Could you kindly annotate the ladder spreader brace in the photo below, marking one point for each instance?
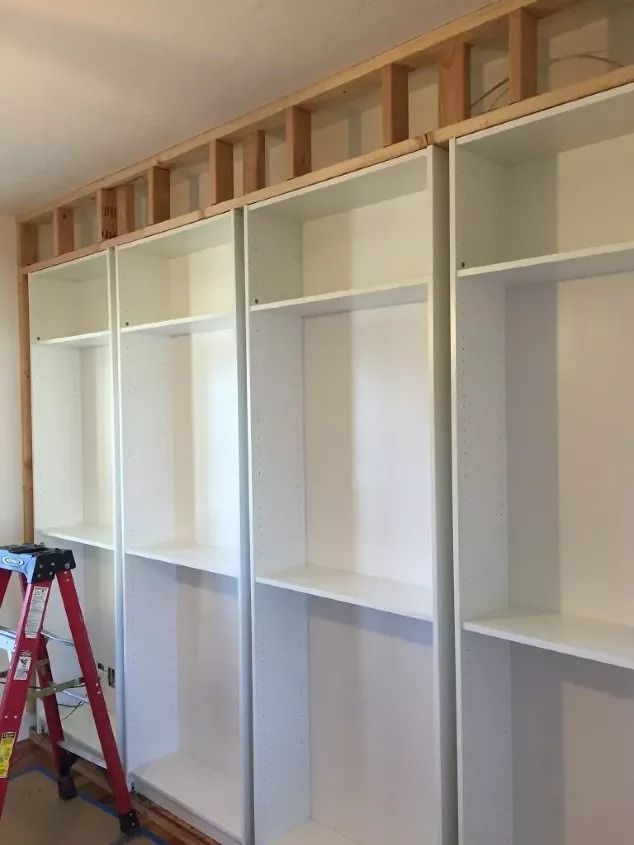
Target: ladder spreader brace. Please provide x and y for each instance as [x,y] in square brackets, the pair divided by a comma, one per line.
[38,567]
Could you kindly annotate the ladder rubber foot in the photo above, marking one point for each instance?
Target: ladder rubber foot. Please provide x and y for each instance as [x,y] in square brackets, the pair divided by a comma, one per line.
[66,788]
[129,822]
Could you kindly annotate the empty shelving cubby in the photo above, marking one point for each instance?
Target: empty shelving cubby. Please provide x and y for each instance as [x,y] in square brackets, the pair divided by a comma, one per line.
[72,381]
[543,419]
[348,374]
[181,323]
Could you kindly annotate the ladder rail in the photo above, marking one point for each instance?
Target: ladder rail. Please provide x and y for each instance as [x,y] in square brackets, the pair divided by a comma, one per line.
[94,691]
[63,763]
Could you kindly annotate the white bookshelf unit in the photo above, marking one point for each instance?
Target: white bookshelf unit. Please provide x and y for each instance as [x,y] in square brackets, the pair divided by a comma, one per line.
[543,301]
[73,462]
[183,457]
[350,516]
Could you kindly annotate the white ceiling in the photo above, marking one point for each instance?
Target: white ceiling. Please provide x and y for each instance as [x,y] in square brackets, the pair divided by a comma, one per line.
[88,87]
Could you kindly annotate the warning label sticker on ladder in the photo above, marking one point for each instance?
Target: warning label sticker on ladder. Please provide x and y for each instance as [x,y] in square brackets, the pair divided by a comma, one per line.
[7,741]
[36,612]
[23,669]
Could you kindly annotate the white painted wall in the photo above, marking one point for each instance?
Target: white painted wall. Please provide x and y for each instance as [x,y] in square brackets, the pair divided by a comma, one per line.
[10,441]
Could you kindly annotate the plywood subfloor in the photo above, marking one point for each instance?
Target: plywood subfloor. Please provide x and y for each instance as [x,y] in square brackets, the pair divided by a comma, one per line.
[91,782]
[34,815]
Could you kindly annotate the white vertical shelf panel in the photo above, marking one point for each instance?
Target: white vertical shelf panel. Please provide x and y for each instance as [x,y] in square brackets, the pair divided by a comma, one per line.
[439,355]
[277,507]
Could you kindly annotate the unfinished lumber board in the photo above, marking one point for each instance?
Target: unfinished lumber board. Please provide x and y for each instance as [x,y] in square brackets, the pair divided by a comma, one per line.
[220,171]
[394,104]
[106,214]
[63,230]
[298,142]
[27,248]
[454,84]
[253,161]
[158,203]
[125,209]
[522,55]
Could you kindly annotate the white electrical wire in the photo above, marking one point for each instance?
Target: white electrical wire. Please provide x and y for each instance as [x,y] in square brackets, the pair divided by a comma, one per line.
[505,82]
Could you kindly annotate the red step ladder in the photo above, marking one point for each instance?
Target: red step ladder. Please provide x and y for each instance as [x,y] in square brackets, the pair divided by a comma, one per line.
[38,567]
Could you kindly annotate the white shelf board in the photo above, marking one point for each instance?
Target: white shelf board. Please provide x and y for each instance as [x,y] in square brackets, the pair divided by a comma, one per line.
[195,237]
[221,561]
[362,590]
[203,791]
[184,325]
[79,270]
[80,732]
[558,267]
[88,339]
[384,181]
[314,833]
[350,300]
[578,636]
[100,536]
[600,117]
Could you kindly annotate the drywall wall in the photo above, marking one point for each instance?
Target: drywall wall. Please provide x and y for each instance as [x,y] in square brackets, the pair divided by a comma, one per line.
[10,437]
[10,440]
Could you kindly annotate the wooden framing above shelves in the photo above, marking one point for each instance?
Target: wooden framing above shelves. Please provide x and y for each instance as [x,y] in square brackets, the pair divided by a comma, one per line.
[388,74]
